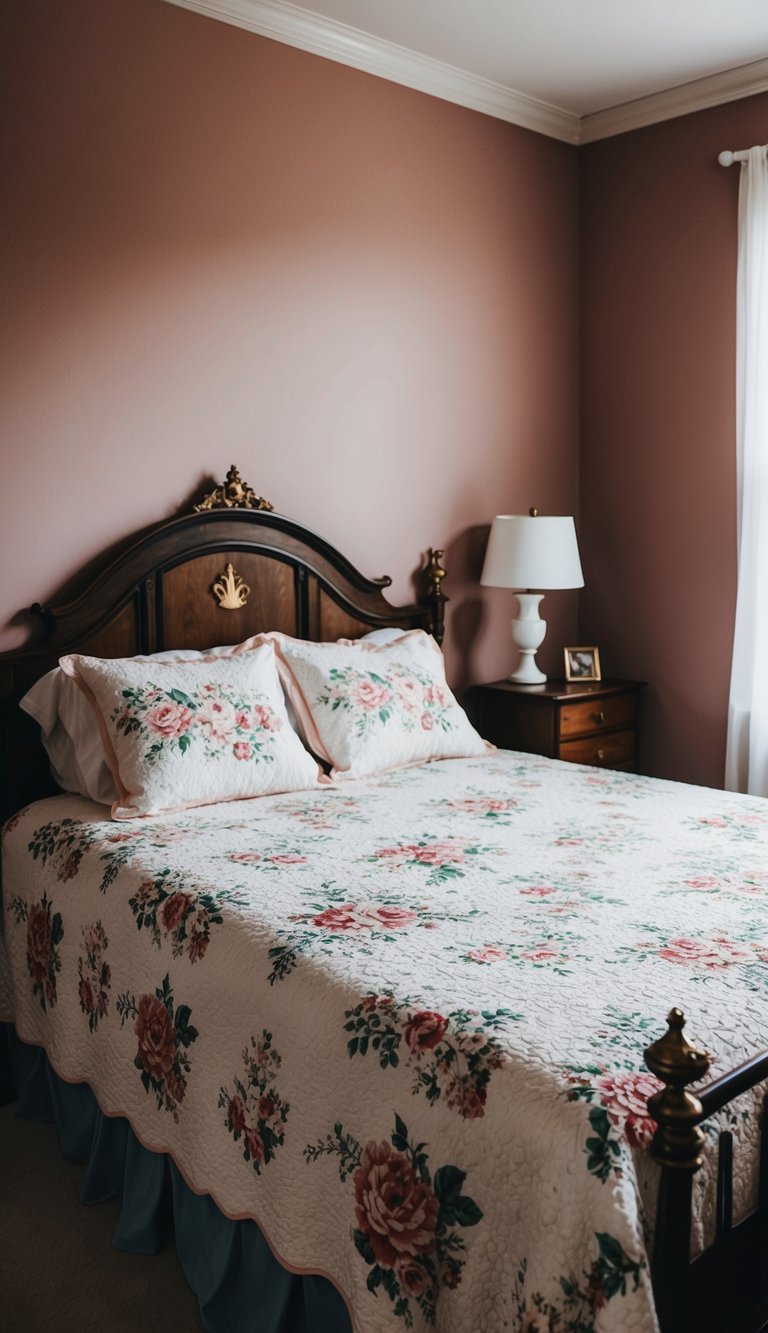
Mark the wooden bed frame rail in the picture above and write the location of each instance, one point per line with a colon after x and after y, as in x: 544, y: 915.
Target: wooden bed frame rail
x: 725, y: 1287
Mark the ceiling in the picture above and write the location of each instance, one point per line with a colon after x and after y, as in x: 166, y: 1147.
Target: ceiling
x: 576, y: 69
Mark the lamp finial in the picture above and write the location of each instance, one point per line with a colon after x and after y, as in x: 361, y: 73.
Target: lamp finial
x: 533, y: 511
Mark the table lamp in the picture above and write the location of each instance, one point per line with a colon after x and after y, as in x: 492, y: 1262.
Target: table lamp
x: 532, y: 555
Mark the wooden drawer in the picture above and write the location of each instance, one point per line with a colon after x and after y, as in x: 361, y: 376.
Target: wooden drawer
x: 617, y: 748
x: 591, y: 716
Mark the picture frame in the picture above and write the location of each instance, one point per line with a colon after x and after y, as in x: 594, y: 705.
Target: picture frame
x: 582, y: 663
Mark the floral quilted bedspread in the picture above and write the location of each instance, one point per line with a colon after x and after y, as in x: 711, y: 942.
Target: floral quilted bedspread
x: 400, y: 1023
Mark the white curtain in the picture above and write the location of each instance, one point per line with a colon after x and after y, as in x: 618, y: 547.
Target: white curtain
x: 746, y: 764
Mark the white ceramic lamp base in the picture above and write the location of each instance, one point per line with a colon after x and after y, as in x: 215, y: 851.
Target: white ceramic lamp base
x: 528, y: 632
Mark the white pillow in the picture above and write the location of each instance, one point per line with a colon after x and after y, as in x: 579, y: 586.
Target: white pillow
x: 366, y: 708
x: 178, y: 734
x: 70, y: 731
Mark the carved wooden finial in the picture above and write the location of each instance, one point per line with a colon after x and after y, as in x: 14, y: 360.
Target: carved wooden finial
x: 233, y: 494
x: 678, y: 1140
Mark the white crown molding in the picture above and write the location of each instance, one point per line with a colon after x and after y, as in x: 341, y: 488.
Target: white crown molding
x: 294, y: 26
x: 714, y: 90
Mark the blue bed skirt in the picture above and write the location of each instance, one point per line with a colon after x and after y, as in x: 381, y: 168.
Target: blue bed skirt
x: 237, y: 1280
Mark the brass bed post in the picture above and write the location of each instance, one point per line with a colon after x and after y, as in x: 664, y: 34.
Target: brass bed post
x: 435, y: 596
x: 676, y: 1146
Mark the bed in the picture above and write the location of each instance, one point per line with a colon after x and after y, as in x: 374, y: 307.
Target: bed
x: 398, y: 1021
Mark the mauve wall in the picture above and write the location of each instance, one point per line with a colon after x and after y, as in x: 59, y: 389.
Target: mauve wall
x: 658, y: 471
x: 219, y: 248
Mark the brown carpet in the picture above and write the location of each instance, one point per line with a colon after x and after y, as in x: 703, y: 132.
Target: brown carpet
x: 58, y: 1269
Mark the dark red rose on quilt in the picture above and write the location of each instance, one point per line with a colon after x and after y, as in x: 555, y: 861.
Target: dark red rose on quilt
x: 198, y: 943
x: 175, y: 1085
x: 473, y: 1102
x: 236, y: 1115
x: 175, y: 909
x: 86, y: 996
x: 266, y: 1106
x: 413, y: 1278
x: 71, y: 866
x: 451, y: 1273
x: 38, y: 942
x: 425, y: 1030
x: 255, y: 1144
x: 395, y: 1209
x: 595, y: 1291
x: 157, y: 1037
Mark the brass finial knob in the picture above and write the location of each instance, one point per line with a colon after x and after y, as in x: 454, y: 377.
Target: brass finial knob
x: 533, y: 511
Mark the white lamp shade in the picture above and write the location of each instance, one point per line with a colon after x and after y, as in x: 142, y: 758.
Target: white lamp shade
x: 534, y: 553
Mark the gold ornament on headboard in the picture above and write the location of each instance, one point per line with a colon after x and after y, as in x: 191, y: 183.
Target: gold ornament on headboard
x: 230, y: 591
x: 233, y: 494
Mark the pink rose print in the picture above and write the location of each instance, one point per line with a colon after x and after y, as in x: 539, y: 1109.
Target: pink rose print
x: 472, y: 1101
x: 198, y: 943
x: 255, y: 1110
x: 451, y: 1273
x: 625, y: 1098
x: 435, y: 694
x: 157, y: 1037
x: 255, y: 1144
x: 402, y: 1228
x: 396, y: 1210
x: 482, y: 805
x: 340, y: 918
x: 39, y: 943
x: 244, y: 858
x: 242, y: 719
x: 287, y: 859
x: 86, y: 996
x: 266, y: 719
x: 350, y: 916
x: 236, y: 1114
x: 370, y: 695
x: 408, y: 692
x: 174, y: 910
x: 219, y: 716
x: 543, y: 954
x: 715, y: 954
x: 241, y: 750
x: 488, y: 954
x: 393, y: 918
x: 427, y: 722
x: 537, y: 891
x: 413, y: 1277
x: 169, y: 720
x: 425, y: 1030
x: 176, y: 1086
x: 437, y: 853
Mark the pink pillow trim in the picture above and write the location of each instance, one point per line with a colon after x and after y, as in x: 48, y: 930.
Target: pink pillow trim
x: 69, y: 667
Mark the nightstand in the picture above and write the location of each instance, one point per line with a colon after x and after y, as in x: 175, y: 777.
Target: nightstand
x: 586, y: 722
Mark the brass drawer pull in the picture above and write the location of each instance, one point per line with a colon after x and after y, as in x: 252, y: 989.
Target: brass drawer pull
x: 599, y: 717
x: 601, y: 754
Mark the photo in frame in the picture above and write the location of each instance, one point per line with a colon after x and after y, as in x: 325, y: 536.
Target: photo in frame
x: 582, y: 664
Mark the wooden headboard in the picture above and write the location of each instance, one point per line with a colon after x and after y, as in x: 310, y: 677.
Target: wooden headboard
x: 229, y: 569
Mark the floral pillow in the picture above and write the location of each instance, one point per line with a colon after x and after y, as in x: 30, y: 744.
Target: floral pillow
x: 70, y: 731
x: 366, y: 708
x: 178, y: 734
